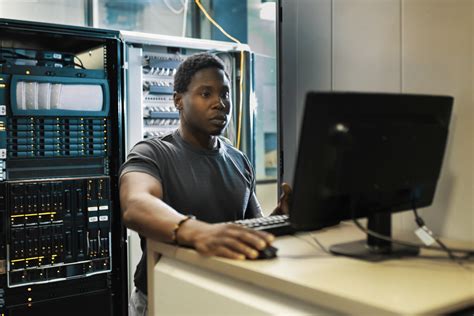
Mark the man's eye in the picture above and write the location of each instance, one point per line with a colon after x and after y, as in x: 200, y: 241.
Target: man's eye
x: 205, y: 94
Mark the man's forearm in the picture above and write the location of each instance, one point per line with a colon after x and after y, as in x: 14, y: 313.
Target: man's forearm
x: 151, y: 217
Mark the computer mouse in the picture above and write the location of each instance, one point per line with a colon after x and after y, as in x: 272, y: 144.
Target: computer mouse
x: 268, y: 253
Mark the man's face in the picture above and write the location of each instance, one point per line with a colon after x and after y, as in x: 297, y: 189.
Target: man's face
x: 205, y: 107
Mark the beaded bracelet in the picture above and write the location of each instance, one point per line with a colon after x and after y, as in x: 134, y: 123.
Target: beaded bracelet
x: 174, y: 236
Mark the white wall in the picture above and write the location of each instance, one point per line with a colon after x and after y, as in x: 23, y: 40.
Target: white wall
x: 438, y: 58
x: 412, y: 46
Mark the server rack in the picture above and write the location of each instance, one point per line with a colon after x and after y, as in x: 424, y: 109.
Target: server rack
x: 62, y: 244
x: 150, y: 62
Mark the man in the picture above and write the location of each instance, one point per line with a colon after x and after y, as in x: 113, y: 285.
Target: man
x: 193, y: 171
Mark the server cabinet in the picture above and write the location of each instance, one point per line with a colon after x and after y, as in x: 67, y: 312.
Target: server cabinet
x: 150, y: 63
x: 62, y: 245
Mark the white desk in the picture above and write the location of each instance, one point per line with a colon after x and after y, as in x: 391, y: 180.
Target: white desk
x: 304, y: 280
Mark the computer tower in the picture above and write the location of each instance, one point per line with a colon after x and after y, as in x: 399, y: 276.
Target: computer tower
x: 62, y: 244
x: 150, y: 62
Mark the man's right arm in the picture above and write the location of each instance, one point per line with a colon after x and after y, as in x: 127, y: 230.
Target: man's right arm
x: 144, y: 211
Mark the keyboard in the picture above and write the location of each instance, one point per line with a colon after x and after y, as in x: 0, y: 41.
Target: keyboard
x: 277, y: 225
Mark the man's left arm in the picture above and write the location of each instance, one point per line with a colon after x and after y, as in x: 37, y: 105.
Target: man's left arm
x: 283, y: 206
x: 254, y: 210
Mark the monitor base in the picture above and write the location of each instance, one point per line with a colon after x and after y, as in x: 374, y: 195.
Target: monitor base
x: 360, y: 250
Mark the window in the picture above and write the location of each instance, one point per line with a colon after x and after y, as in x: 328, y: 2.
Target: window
x: 51, y: 11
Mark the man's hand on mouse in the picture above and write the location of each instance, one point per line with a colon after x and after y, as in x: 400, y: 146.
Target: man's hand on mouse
x: 224, y: 240
x: 231, y: 240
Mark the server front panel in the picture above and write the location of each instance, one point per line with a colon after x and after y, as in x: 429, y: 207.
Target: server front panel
x: 59, y: 159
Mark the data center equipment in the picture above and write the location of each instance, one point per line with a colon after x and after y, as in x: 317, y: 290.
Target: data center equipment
x: 151, y: 62
x: 62, y: 247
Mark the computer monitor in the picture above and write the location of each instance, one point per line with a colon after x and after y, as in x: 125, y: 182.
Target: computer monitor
x: 367, y: 155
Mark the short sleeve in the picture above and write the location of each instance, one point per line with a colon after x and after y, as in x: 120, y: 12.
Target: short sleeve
x: 144, y: 157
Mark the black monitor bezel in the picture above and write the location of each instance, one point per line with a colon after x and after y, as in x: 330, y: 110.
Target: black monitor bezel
x: 308, y: 211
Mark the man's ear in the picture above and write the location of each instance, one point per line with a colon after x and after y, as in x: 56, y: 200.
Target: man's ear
x: 178, y: 100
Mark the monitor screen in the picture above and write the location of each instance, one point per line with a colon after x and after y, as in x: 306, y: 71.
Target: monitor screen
x: 362, y: 154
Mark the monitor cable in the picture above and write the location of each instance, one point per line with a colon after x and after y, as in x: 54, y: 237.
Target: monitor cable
x: 426, y: 235
x: 320, y: 244
x: 456, y: 258
x: 468, y: 253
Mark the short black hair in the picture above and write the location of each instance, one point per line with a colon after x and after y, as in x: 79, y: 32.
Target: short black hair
x: 193, y: 64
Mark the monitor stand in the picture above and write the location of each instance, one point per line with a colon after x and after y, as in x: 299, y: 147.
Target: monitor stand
x: 375, y: 249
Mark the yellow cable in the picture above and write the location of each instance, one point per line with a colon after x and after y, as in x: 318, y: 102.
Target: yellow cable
x: 242, y: 67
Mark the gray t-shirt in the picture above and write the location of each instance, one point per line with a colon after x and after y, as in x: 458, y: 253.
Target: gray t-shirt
x: 213, y: 185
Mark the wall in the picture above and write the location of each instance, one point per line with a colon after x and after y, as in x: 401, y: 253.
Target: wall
x: 412, y: 46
